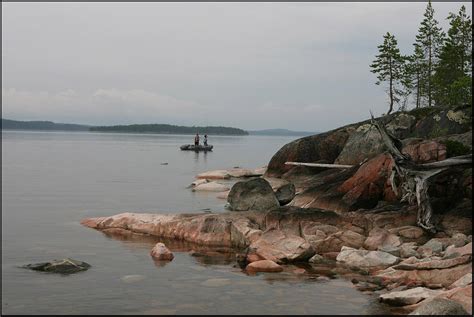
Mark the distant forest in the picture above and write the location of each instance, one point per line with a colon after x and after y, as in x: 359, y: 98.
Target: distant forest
x: 42, y: 125
x: 169, y: 129
x: 133, y: 128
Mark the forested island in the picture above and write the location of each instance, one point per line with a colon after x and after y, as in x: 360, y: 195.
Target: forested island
x: 170, y: 129
x: 132, y: 128
x: 42, y: 125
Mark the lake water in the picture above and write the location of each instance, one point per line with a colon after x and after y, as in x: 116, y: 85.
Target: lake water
x: 52, y: 180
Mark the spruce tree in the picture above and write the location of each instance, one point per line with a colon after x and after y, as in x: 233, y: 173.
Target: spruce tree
x: 454, y: 71
x: 430, y: 39
x: 389, y: 66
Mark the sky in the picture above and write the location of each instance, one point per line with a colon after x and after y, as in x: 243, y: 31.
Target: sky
x: 299, y: 66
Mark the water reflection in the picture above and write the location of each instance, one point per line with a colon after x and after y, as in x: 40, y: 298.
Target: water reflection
x: 202, y: 254
x: 198, y: 153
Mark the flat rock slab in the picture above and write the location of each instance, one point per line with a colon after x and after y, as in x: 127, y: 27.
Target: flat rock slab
x: 217, y: 174
x: 65, y: 266
x: 445, y: 277
x: 434, y: 264
x: 409, y: 297
x: 211, y: 187
x: 462, y: 282
x: 363, y: 258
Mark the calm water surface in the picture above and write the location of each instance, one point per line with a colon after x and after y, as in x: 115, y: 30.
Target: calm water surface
x: 52, y: 180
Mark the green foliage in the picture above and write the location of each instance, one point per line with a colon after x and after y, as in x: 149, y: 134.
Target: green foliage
x: 453, y: 78
x: 389, y: 66
x: 438, y: 72
x: 430, y: 39
x: 455, y: 148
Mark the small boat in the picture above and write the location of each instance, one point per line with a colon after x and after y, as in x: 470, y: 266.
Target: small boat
x: 197, y: 148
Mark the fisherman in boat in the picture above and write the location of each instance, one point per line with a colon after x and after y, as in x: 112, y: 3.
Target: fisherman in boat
x: 196, y: 139
x: 205, y: 139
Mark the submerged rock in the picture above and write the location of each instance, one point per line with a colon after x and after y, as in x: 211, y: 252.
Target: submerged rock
x: 161, y: 252
x: 65, y: 266
x: 263, y: 266
x: 440, y: 306
x: 254, y: 194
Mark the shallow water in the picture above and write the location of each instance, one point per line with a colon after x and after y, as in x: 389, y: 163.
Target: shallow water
x: 52, y: 180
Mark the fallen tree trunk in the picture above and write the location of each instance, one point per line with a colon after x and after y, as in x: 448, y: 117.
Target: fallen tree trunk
x: 319, y: 165
x: 415, y: 178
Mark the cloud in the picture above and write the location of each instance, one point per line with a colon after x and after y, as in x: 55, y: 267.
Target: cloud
x: 101, y: 106
x: 250, y: 65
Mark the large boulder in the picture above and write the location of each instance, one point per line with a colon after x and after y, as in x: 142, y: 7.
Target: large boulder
x: 281, y: 247
x: 253, y: 194
x: 364, y: 258
x: 64, y: 266
x: 324, y: 147
x: 439, y: 306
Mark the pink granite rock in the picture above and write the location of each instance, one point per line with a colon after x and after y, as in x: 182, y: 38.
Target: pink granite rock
x: 264, y: 266
x: 161, y: 252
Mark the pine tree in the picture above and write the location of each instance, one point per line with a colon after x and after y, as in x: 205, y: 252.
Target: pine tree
x: 454, y: 72
x: 389, y: 66
x: 414, y: 74
x: 430, y: 39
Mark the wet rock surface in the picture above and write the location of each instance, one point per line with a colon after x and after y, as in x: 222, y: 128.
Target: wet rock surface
x: 64, y: 266
x: 161, y: 253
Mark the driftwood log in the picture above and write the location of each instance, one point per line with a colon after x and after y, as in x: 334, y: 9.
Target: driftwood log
x: 414, y: 179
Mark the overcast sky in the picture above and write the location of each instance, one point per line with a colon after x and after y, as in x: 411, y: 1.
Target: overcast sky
x: 300, y: 66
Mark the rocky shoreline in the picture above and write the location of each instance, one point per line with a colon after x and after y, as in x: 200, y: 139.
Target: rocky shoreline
x: 395, y: 255
x: 350, y: 217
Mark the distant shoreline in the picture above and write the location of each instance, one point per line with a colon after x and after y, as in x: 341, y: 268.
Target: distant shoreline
x: 168, y: 129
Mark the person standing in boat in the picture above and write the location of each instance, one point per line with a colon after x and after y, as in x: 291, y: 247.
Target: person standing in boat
x: 205, y: 139
x: 196, y: 139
